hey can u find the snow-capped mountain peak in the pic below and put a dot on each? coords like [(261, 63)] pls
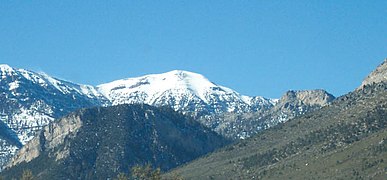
[(182, 90), (5, 68)]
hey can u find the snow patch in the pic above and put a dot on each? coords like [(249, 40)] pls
[(57, 84), (28, 121), (6, 71), (13, 85)]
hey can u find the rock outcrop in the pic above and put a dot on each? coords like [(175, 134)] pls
[(307, 97), (377, 76), (49, 138)]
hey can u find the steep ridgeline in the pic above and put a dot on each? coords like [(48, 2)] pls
[(99, 143), (183, 91), (377, 76), (345, 140), (291, 104), (31, 100)]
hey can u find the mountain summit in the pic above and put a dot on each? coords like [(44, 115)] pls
[(182, 90)]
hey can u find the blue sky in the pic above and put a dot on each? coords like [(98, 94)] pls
[(254, 47)]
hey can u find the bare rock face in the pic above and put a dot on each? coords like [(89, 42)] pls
[(307, 97), (377, 76), (51, 136), (295, 103)]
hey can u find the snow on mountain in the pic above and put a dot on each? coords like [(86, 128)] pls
[(182, 90), (29, 101), (34, 99)]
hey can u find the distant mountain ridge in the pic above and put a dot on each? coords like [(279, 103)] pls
[(221, 109), (30, 101)]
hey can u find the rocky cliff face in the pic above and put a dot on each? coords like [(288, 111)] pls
[(307, 97), (50, 138), (295, 103), (377, 76)]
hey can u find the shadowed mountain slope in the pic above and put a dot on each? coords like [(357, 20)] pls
[(101, 142)]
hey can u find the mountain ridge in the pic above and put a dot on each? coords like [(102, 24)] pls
[(182, 90), (376, 76), (30, 101), (344, 140)]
